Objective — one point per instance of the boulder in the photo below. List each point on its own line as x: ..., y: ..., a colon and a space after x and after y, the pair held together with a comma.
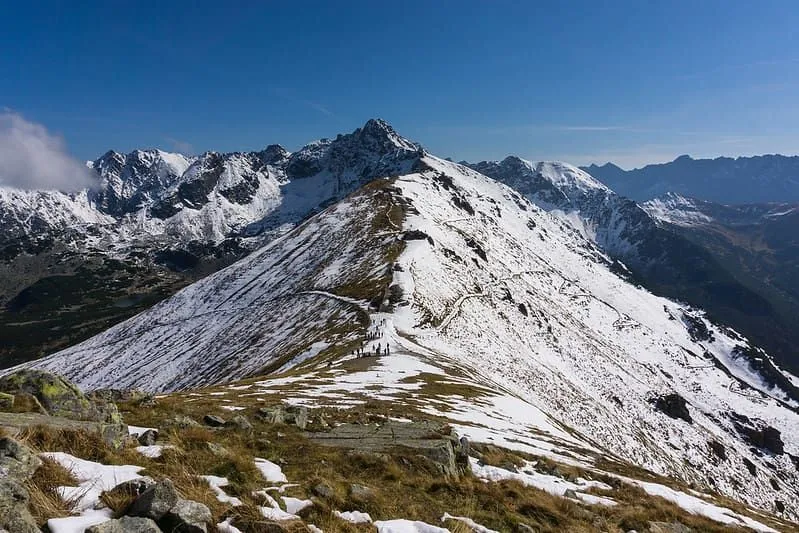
x: 214, y: 421
x: 59, y: 397
x: 17, y: 461
x: 323, y: 491
x: 180, y: 422
x: 187, y: 516
x: 360, y: 493
x: 14, y: 514
x: 239, y: 422
x: 155, y: 501
x: 126, y: 524
x: 132, y: 489
x: 148, y: 438
x: 217, y: 449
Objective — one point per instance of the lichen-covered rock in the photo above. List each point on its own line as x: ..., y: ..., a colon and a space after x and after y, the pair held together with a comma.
x: 296, y: 415
x: 59, y: 397
x: 6, y: 401
x: 360, y: 493
x: 126, y: 524
x: 187, y: 516
x: 180, y: 422
x: 17, y: 461
x: 14, y: 514
x: 155, y: 501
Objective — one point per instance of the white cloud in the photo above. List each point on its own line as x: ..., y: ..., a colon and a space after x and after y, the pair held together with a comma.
x: 182, y: 147
x: 33, y: 158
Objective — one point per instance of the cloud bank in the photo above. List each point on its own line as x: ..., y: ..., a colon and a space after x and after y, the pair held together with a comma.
x: 33, y: 158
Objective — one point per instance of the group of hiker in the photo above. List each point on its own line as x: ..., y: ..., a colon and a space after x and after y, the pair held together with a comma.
x: 375, y: 349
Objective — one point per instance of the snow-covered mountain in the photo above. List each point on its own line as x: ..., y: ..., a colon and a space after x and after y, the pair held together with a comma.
x: 458, y: 271
x: 764, y: 178
x: 159, y: 220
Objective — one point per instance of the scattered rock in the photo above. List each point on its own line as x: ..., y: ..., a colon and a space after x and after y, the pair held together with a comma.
x: 415, y: 235
x: 323, y: 491
x: 180, y: 422
x: 674, y: 406
x: 126, y: 524
x: 239, y: 422
x: 360, y: 493
x: 758, y: 433
x: 155, y: 501
x: 133, y: 488
x: 187, y: 516
x: 17, y: 461
x: 524, y: 528
x: 148, y: 438
x: 214, y: 421
x: 296, y: 415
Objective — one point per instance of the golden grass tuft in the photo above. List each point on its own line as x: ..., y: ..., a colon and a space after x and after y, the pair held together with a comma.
x: 45, y: 502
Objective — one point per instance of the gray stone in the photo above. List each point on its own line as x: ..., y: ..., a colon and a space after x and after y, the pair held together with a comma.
x: 133, y: 488
x: 14, y: 514
x: 181, y: 422
x: 17, y: 461
x: 360, y: 493
x: 239, y: 422
x: 323, y: 491
x: 424, y: 439
x: 214, y: 421
x: 524, y: 528
x: 126, y: 524
x: 296, y: 415
x: 668, y: 527
x: 217, y: 449
x: 148, y: 438
x: 187, y: 516
x: 155, y: 501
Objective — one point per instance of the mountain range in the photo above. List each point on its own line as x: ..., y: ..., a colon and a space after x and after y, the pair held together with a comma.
x: 726, y: 180
x: 532, y: 288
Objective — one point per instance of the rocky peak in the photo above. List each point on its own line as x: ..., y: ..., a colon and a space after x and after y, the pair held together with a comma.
x: 274, y: 154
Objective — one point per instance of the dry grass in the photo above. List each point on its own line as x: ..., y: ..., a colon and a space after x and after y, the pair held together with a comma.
x: 45, y: 502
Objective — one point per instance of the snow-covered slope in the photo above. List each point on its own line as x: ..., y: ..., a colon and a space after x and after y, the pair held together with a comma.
x: 477, y: 276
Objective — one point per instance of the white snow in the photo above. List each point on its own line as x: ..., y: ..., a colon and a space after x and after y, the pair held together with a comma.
x: 227, y: 527
x: 355, y: 517
x: 153, y: 451
x: 295, y: 505
x: 78, y: 524
x: 407, y: 526
x: 216, y: 483
x: 271, y: 472
x: 135, y: 431
x: 474, y: 526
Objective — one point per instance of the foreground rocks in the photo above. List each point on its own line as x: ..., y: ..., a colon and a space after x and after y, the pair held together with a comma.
x: 44, y: 398
x: 126, y: 524
x: 161, y: 504
x: 17, y: 465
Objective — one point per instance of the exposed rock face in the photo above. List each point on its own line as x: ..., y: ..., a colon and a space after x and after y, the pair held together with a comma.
x: 422, y: 439
x: 759, y: 434
x: 17, y: 465
x: 214, y: 421
x: 674, y: 406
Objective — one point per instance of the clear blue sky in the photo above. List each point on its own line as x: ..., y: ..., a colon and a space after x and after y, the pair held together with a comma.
x: 633, y: 82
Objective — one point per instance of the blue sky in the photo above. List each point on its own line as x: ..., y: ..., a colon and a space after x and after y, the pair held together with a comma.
x: 583, y: 81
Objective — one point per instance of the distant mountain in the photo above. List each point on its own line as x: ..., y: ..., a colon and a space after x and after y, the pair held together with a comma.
x: 759, y: 245
x: 766, y: 178
x: 72, y: 265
